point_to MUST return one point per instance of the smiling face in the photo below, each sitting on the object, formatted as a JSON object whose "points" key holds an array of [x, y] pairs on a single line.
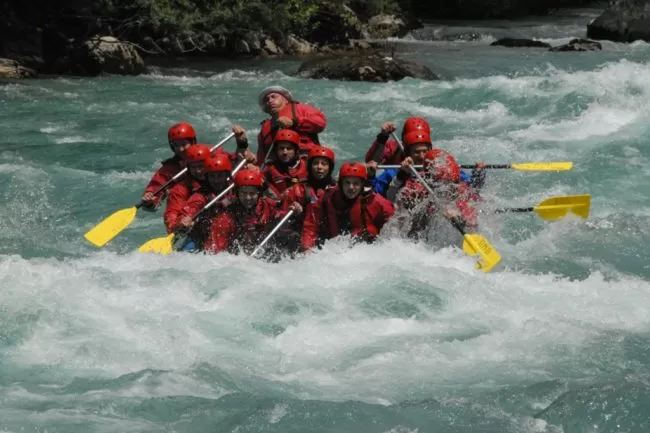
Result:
{"points": [[351, 187]]}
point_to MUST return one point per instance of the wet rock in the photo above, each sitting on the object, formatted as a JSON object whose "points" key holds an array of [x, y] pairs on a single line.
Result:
{"points": [[364, 67], [11, 69], [105, 54], [468, 37], [512, 42], [336, 24], [240, 46], [386, 26], [622, 21], [270, 47], [579, 45], [299, 46]]}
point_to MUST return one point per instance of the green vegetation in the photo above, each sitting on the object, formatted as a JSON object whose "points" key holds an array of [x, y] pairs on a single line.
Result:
{"points": [[42, 30], [227, 19]]}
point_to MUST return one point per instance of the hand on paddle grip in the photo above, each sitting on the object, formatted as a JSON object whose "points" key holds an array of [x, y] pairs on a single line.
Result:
{"points": [[296, 208], [387, 128], [284, 122]]}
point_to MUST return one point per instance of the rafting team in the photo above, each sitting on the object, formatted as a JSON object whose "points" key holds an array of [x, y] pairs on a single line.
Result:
{"points": [[292, 171]]}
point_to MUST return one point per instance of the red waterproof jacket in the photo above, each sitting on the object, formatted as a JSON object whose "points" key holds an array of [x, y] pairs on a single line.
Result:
{"points": [[332, 215], [281, 179], [305, 195], [460, 195], [237, 227], [178, 196], [308, 121], [169, 168], [392, 152]]}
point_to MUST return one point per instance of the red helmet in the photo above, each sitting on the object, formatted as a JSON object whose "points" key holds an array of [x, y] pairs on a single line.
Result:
{"points": [[287, 135], [217, 163], [413, 138], [323, 152], [248, 177], [442, 165], [180, 131], [353, 169], [197, 153], [415, 124]]}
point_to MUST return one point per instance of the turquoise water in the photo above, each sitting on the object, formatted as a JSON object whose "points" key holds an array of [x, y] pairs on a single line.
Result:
{"points": [[389, 338]]}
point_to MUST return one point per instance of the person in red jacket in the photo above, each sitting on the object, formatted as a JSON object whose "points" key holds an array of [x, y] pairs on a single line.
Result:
{"points": [[386, 151], [286, 169], [179, 136], [417, 144], [346, 208], [453, 198], [320, 166], [217, 178], [245, 223], [194, 157], [287, 113]]}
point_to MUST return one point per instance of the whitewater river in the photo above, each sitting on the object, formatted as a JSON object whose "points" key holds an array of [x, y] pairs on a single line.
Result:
{"points": [[390, 338]]}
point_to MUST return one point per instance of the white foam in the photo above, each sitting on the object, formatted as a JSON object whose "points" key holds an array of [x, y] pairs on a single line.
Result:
{"points": [[192, 78], [340, 323], [76, 139], [596, 121], [120, 176]]}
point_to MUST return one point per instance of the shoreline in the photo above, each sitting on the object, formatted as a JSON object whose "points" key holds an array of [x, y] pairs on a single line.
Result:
{"points": [[374, 33]]}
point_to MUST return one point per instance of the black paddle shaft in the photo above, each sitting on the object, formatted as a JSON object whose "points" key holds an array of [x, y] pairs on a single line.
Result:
{"points": [[487, 166], [515, 209]]}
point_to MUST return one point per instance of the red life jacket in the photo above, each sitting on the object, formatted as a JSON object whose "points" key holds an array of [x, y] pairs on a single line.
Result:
{"points": [[267, 132], [412, 193], [360, 223], [251, 228], [283, 180]]}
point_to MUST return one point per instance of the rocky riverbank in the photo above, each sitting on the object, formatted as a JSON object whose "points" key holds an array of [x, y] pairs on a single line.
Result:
{"points": [[119, 37]]}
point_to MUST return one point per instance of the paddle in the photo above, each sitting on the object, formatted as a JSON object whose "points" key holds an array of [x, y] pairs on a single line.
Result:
{"points": [[270, 235], [473, 243], [113, 225], [525, 166], [555, 208], [165, 245], [531, 166]]}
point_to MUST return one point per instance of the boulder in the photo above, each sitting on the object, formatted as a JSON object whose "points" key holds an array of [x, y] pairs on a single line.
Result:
{"points": [[255, 43], [512, 42], [579, 45], [105, 54], [386, 26], [240, 46], [334, 24], [364, 67], [299, 46], [622, 21], [12, 69], [467, 37], [270, 47]]}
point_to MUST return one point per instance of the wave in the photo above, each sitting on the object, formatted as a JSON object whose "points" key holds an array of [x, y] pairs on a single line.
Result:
{"points": [[189, 77]]}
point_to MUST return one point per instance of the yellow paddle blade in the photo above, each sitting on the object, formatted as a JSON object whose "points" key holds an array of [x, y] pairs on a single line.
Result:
{"points": [[543, 166], [557, 207], [106, 230], [476, 244], [162, 246]]}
